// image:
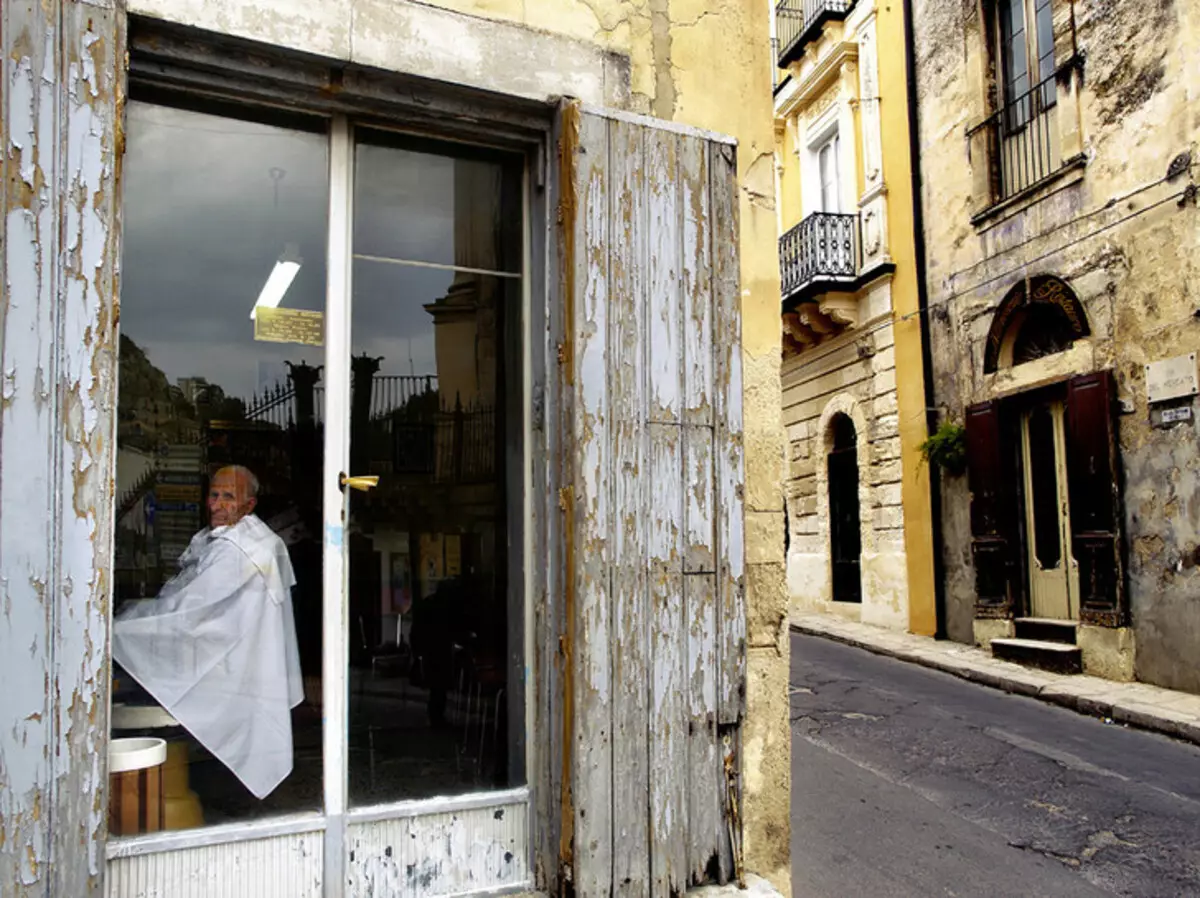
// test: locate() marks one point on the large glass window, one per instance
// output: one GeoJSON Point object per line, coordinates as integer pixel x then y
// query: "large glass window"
{"type": "Point", "coordinates": [434, 622]}
{"type": "Point", "coordinates": [220, 539]}
{"type": "Point", "coordinates": [217, 581]}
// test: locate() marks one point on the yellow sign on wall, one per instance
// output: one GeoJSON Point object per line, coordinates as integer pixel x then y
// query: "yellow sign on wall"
{"type": "Point", "coordinates": [289, 326]}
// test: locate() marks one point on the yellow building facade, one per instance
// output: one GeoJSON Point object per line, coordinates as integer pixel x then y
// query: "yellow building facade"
{"type": "Point", "coordinates": [858, 493]}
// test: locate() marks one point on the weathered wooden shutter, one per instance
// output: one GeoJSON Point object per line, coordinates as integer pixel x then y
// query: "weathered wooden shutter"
{"type": "Point", "coordinates": [60, 134]}
{"type": "Point", "coordinates": [1095, 495]}
{"type": "Point", "coordinates": [993, 503]}
{"type": "Point", "coordinates": [656, 619]}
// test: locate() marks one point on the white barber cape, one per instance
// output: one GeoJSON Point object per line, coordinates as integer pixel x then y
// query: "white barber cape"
{"type": "Point", "coordinates": [217, 649]}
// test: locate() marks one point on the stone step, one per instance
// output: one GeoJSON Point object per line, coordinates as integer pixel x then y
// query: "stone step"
{"type": "Point", "coordinates": [1046, 629]}
{"type": "Point", "coordinates": [1056, 657]}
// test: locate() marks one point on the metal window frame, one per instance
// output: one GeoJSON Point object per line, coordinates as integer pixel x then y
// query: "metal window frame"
{"type": "Point", "coordinates": [208, 68]}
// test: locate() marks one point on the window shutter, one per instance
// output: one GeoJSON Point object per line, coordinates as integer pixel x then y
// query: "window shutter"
{"type": "Point", "coordinates": [993, 505]}
{"type": "Point", "coordinates": [1095, 496]}
{"type": "Point", "coordinates": [652, 397]}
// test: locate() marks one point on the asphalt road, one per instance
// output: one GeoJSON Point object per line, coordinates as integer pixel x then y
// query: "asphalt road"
{"type": "Point", "coordinates": [907, 781]}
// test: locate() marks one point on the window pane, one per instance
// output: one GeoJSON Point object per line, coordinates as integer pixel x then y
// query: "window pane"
{"type": "Point", "coordinates": [1014, 54]}
{"type": "Point", "coordinates": [436, 704]}
{"type": "Point", "coordinates": [427, 207]}
{"type": "Point", "coordinates": [828, 166]}
{"type": "Point", "coordinates": [1045, 50]}
{"type": "Point", "coordinates": [217, 575]}
{"type": "Point", "coordinates": [1043, 478]}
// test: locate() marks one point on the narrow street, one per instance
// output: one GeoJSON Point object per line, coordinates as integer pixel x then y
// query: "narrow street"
{"type": "Point", "coordinates": [907, 781]}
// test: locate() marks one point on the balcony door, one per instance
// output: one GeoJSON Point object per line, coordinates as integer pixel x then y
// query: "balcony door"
{"type": "Point", "coordinates": [829, 170]}
{"type": "Point", "coordinates": [1029, 143]}
{"type": "Point", "coordinates": [1053, 570]}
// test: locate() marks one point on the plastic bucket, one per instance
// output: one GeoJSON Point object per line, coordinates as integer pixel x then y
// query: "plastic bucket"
{"type": "Point", "coordinates": [135, 793]}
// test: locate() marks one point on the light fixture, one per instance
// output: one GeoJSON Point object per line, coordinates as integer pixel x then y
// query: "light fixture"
{"type": "Point", "coordinates": [282, 275]}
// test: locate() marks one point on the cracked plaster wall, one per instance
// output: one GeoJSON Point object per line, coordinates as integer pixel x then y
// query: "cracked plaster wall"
{"type": "Point", "coordinates": [705, 63]}
{"type": "Point", "coordinates": [1117, 234]}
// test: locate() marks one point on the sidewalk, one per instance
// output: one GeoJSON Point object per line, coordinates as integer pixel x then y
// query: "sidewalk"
{"type": "Point", "coordinates": [1137, 704]}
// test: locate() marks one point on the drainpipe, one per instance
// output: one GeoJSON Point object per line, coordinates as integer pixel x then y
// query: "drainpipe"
{"type": "Point", "coordinates": [931, 415]}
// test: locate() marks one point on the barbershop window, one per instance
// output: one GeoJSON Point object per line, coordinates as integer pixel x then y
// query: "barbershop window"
{"type": "Point", "coordinates": [222, 535]}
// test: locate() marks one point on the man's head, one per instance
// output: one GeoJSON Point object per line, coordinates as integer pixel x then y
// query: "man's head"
{"type": "Point", "coordinates": [232, 495]}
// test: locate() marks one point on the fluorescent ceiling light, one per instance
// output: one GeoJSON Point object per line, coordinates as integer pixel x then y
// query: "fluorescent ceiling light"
{"type": "Point", "coordinates": [281, 278]}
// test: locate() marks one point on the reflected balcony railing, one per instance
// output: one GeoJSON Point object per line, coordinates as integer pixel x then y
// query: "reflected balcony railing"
{"type": "Point", "coordinates": [797, 22]}
{"type": "Point", "coordinates": [822, 248]}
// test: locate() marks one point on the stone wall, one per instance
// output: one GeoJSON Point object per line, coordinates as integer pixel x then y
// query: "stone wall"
{"type": "Point", "coordinates": [854, 375]}
{"type": "Point", "coordinates": [1119, 232]}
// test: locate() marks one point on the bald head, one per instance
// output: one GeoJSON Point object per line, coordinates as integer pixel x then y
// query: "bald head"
{"type": "Point", "coordinates": [232, 495]}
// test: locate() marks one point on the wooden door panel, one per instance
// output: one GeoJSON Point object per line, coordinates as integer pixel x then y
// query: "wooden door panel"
{"type": "Point", "coordinates": [1095, 495]}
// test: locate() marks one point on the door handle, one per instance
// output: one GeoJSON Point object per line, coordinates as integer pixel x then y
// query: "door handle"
{"type": "Point", "coordinates": [363, 483]}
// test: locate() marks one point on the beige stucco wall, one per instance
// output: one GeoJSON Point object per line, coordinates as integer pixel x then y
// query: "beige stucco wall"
{"type": "Point", "coordinates": [700, 62]}
{"type": "Point", "coordinates": [1116, 232]}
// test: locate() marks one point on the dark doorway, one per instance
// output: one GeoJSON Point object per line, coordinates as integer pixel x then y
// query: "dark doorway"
{"type": "Point", "coordinates": [844, 526]}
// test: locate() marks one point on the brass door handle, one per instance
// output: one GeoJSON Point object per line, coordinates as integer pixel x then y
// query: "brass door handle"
{"type": "Point", "coordinates": [359, 483]}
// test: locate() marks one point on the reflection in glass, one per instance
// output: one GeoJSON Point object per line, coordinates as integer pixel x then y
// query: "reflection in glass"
{"type": "Point", "coordinates": [432, 208]}
{"type": "Point", "coordinates": [217, 575]}
{"type": "Point", "coordinates": [435, 652]}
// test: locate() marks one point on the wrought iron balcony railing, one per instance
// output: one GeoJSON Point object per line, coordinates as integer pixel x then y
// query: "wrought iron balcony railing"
{"type": "Point", "coordinates": [823, 247]}
{"type": "Point", "coordinates": [799, 21]}
{"type": "Point", "coordinates": [1023, 141]}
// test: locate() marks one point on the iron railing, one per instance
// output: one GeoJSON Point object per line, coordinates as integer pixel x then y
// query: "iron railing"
{"type": "Point", "coordinates": [823, 245]}
{"type": "Point", "coordinates": [390, 392]}
{"type": "Point", "coordinates": [1023, 141]}
{"type": "Point", "coordinates": [799, 21]}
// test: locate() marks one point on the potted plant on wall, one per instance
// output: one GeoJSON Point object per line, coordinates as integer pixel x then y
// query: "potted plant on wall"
{"type": "Point", "coordinates": [946, 447]}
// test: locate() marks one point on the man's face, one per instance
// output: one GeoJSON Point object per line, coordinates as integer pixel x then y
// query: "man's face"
{"type": "Point", "coordinates": [229, 499]}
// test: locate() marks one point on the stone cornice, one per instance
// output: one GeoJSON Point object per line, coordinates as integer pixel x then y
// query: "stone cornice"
{"type": "Point", "coordinates": [803, 90]}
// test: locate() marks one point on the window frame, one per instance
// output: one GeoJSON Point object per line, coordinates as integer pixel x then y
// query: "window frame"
{"type": "Point", "coordinates": [162, 70]}
{"type": "Point", "coordinates": [1039, 62]}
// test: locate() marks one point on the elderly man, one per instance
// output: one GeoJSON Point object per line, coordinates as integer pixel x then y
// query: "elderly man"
{"type": "Point", "coordinates": [217, 647]}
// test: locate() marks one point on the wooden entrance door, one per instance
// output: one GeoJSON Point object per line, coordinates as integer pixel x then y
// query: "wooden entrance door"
{"type": "Point", "coordinates": [844, 524]}
{"type": "Point", "coordinates": [1053, 571]}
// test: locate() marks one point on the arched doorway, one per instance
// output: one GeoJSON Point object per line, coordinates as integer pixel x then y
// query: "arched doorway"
{"type": "Point", "coordinates": [845, 539]}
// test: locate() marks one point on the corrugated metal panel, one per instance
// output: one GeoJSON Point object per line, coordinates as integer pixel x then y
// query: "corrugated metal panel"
{"type": "Point", "coordinates": [440, 854]}
{"type": "Point", "coordinates": [279, 867]}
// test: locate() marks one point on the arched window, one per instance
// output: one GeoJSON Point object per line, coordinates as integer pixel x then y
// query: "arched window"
{"type": "Point", "coordinates": [1044, 331]}
{"type": "Point", "coordinates": [1036, 318]}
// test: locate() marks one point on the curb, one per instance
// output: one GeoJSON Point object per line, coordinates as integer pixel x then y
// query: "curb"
{"type": "Point", "coordinates": [1032, 684]}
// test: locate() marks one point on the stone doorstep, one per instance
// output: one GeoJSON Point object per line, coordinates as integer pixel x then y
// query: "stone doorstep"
{"type": "Point", "coordinates": [1141, 705]}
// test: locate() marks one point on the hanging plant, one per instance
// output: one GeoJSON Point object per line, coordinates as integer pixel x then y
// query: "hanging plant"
{"type": "Point", "coordinates": [947, 448]}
